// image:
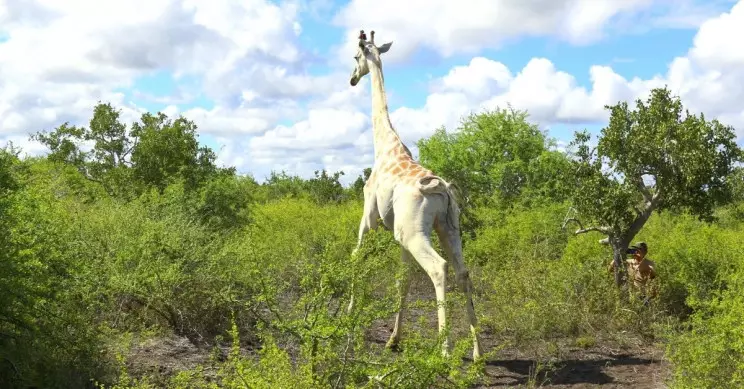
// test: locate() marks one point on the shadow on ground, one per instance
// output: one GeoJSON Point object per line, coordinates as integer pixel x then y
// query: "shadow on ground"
{"type": "Point", "coordinates": [570, 372]}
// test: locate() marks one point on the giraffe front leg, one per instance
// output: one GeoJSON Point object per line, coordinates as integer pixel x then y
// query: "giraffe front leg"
{"type": "Point", "coordinates": [369, 222]}
{"type": "Point", "coordinates": [402, 285]}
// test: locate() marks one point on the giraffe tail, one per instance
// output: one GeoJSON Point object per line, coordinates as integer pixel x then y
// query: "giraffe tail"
{"type": "Point", "coordinates": [453, 210]}
{"type": "Point", "coordinates": [434, 184]}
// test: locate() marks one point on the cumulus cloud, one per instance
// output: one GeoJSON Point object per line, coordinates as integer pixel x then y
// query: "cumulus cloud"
{"type": "Point", "coordinates": [57, 59]}
{"type": "Point", "coordinates": [549, 95]}
{"type": "Point", "coordinates": [702, 78]}
{"type": "Point", "coordinates": [333, 134]}
{"type": "Point", "coordinates": [468, 26]}
{"type": "Point", "coordinates": [60, 58]}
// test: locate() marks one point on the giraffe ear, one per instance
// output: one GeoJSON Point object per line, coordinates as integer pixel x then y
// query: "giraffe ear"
{"type": "Point", "coordinates": [384, 48]}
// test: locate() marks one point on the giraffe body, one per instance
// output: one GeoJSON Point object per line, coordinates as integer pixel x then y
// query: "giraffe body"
{"type": "Point", "coordinates": [412, 201]}
{"type": "Point", "coordinates": [398, 177]}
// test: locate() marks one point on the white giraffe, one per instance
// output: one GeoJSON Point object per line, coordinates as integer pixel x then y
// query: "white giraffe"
{"type": "Point", "coordinates": [411, 201]}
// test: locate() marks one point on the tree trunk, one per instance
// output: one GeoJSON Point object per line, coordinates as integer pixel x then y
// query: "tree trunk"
{"type": "Point", "coordinates": [620, 245]}
{"type": "Point", "coordinates": [618, 258]}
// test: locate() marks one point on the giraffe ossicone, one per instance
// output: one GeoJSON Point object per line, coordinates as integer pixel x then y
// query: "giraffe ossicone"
{"type": "Point", "coordinates": [412, 201]}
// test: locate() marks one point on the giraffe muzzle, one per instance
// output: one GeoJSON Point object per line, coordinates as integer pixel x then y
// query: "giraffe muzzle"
{"type": "Point", "coordinates": [354, 77]}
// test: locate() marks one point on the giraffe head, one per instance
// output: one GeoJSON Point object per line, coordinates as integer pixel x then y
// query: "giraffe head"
{"type": "Point", "coordinates": [367, 51]}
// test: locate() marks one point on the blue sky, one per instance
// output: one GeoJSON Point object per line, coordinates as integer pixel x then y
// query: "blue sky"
{"type": "Point", "coordinates": [643, 55]}
{"type": "Point", "coordinates": [267, 98]}
{"type": "Point", "coordinates": [629, 55]}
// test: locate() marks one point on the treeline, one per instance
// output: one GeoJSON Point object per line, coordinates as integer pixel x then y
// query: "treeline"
{"type": "Point", "coordinates": [127, 234]}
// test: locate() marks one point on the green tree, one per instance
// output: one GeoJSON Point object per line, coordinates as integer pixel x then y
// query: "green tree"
{"type": "Point", "coordinates": [281, 185]}
{"type": "Point", "coordinates": [649, 159]}
{"type": "Point", "coordinates": [63, 144]}
{"type": "Point", "coordinates": [356, 189]}
{"type": "Point", "coordinates": [168, 149]}
{"type": "Point", "coordinates": [106, 163]}
{"type": "Point", "coordinates": [326, 188]}
{"type": "Point", "coordinates": [111, 140]}
{"type": "Point", "coordinates": [224, 201]}
{"type": "Point", "coordinates": [154, 152]}
{"type": "Point", "coordinates": [497, 158]}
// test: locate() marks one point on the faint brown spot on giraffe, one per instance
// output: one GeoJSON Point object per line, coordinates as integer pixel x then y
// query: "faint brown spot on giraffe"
{"type": "Point", "coordinates": [389, 166]}
{"type": "Point", "coordinates": [414, 172]}
{"type": "Point", "coordinates": [423, 173]}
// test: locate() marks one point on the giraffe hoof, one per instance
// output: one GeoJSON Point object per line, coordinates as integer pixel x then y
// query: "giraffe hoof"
{"type": "Point", "coordinates": [393, 346]}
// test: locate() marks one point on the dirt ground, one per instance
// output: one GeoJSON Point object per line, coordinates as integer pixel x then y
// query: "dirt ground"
{"type": "Point", "coordinates": [582, 368]}
{"type": "Point", "coordinates": [602, 365]}
{"type": "Point", "coordinates": [605, 364]}
{"type": "Point", "coordinates": [558, 363]}
{"type": "Point", "coordinates": [598, 367]}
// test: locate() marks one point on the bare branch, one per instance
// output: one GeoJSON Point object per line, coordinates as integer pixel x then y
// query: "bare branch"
{"type": "Point", "coordinates": [86, 174]}
{"type": "Point", "coordinates": [582, 230]}
{"type": "Point", "coordinates": [603, 230]}
{"type": "Point", "coordinates": [591, 152]}
{"type": "Point", "coordinates": [571, 219]}
{"type": "Point", "coordinates": [131, 148]}
{"type": "Point", "coordinates": [656, 199]}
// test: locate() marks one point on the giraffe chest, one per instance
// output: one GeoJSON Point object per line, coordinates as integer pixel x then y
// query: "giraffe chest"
{"type": "Point", "coordinates": [385, 207]}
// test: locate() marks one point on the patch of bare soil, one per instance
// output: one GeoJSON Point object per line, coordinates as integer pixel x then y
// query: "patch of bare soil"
{"type": "Point", "coordinates": [163, 357]}
{"type": "Point", "coordinates": [607, 364]}
{"type": "Point", "coordinates": [620, 362]}
{"type": "Point", "coordinates": [634, 367]}
{"type": "Point", "coordinates": [624, 361]}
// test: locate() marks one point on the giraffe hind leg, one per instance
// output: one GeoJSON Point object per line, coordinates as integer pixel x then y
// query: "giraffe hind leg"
{"type": "Point", "coordinates": [452, 244]}
{"type": "Point", "coordinates": [435, 266]}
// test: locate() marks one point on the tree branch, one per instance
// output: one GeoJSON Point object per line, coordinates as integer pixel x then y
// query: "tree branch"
{"type": "Point", "coordinates": [643, 216]}
{"type": "Point", "coordinates": [86, 174]}
{"type": "Point", "coordinates": [582, 230]}
{"type": "Point", "coordinates": [656, 199]}
{"type": "Point", "coordinates": [571, 219]}
{"type": "Point", "coordinates": [644, 189]}
{"type": "Point", "coordinates": [603, 230]}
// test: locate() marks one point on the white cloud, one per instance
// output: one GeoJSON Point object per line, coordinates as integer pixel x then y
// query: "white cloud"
{"type": "Point", "coordinates": [550, 95]}
{"type": "Point", "coordinates": [467, 26]}
{"type": "Point", "coordinates": [324, 128]}
{"type": "Point", "coordinates": [703, 79]}
{"type": "Point", "coordinates": [61, 57]}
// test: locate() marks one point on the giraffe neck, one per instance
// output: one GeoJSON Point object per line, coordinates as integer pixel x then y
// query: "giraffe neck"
{"type": "Point", "coordinates": [385, 136]}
